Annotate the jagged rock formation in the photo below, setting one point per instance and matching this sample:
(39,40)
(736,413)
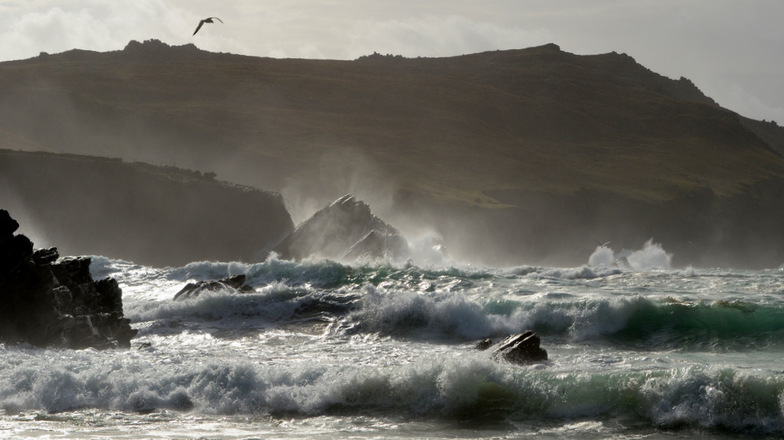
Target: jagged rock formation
(192,290)
(55,303)
(521,349)
(344,230)
(160,51)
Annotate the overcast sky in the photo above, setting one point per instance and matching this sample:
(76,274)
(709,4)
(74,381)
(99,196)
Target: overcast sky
(733,50)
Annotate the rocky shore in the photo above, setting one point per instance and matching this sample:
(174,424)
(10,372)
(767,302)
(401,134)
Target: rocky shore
(48,301)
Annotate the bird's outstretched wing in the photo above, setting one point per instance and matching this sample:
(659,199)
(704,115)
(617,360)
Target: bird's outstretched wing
(206,20)
(198,27)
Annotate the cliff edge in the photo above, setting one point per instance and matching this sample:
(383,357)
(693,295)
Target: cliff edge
(160,216)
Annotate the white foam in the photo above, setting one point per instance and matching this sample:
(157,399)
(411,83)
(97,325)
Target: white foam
(603,256)
(651,257)
(408,313)
(215,354)
(446,382)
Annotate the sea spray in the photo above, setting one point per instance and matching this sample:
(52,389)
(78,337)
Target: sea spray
(603,256)
(632,352)
(410,314)
(448,305)
(447,385)
(651,256)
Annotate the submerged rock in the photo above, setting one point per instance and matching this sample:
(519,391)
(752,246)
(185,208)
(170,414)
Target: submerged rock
(344,230)
(192,290)
(49,302)
(522,348)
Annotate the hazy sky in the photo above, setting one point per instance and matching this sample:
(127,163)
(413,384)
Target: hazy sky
(733,50)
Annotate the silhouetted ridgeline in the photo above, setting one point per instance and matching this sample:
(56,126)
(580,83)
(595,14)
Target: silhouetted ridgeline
(142,213)
(516,156)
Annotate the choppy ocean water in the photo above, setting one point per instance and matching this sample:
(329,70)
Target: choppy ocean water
(323,350)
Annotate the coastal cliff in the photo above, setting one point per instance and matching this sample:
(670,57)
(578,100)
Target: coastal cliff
(153,215)
(510,157)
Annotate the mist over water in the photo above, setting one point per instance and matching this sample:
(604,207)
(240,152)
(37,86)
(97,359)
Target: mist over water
(334,175)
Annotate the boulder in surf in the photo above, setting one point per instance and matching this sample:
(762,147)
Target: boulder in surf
(522,348)
(192,290)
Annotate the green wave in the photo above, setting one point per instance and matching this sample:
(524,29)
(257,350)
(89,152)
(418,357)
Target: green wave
(704,324)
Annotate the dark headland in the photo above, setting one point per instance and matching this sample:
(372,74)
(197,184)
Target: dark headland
(510,157)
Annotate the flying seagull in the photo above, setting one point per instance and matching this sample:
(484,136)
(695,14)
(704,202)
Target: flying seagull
(206,20)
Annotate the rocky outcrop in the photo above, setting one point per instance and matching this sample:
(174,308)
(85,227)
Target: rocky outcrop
(51,302)
(344,230)
(522,348)
(192,290)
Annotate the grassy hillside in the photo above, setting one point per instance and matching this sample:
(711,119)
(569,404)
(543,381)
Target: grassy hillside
(512,144)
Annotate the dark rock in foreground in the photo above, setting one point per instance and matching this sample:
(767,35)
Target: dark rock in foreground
(522,348)
(344,230)
(48,302)
(192,290)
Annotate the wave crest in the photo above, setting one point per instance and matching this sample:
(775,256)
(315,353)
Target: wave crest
(469,385)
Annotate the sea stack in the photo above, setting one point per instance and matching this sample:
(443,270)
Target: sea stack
(344,230)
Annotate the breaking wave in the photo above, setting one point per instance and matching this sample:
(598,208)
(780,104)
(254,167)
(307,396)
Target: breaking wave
(638,322)
(466,386)
(455,305)
(320,338)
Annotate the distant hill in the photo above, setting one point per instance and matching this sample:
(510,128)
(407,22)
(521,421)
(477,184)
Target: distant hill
(511,156)
(152,215)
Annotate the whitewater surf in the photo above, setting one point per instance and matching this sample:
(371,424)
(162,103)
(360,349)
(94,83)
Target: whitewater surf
(321,349)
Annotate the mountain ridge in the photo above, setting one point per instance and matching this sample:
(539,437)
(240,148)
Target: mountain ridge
(425,141)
